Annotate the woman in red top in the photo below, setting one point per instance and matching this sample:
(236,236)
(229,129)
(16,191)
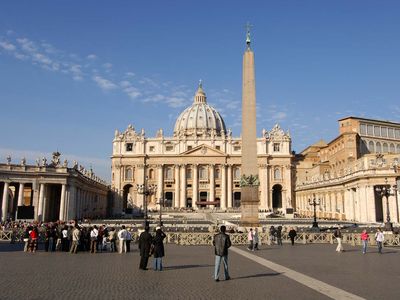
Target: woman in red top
(364,239)
(34,235)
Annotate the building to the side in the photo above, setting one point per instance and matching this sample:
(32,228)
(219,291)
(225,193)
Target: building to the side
(346,173)
(200,165)
(51,191)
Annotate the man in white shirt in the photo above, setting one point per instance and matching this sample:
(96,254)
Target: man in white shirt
(122,239)
(380,238)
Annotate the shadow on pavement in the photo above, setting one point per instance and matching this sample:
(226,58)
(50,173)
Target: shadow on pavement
(257,275)
(186,267)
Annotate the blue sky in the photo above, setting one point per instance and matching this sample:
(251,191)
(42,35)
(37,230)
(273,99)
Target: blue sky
(71,72)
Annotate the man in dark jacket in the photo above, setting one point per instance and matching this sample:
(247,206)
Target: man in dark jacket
(221,244)
(145,240)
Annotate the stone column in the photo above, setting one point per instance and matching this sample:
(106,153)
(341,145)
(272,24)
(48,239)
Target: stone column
(223,186)
(62,203)
(21,194)
(195,185)
(160,183)
(212,183)
(229,188)
(41,201)
(4,205)
(183,187)
(177,187)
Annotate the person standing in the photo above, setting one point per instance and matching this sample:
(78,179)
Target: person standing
(292,235)
(64,239)
(111,238)
(128,240)
(159,253)
(279,235)
(272,234)
(93,239)
(250,238)
(255,239)
(26,238)
(379,237)
(145,240)
(338,235)
(122,239)
(221,244)
(34,235)
(364,239)
(76,236)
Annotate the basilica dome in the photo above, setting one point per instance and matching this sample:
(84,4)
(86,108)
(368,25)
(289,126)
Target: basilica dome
(200,119)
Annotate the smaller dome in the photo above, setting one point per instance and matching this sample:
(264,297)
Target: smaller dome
(200,118)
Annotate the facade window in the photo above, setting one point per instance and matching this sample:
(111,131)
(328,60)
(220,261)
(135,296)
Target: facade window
(189,173)
(169,148)
(202,173)
(152,148)
(363,129)
(277,147)
(218,147)
(128,147)
(151,174)
(128,174)
(236,173)
(169,173)
(277,174)
(378,147)
(391,133)
(217,173)
(189,147)
(371,147)
(236,148)
(377,131)
(397,133)
(385,148)
(392,148)
(398,149)
(370,130)
(384,131)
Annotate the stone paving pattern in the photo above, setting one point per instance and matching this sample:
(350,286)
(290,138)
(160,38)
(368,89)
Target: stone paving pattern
(188,274)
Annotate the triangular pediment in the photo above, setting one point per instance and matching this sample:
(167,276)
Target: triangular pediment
(203,150)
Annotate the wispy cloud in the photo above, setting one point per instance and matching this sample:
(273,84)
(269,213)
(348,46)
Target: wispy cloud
(104,83)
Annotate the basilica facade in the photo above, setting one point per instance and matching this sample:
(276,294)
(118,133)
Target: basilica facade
(199,166)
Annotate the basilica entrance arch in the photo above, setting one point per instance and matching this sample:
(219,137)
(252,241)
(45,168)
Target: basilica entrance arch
(127,199)
(276,197)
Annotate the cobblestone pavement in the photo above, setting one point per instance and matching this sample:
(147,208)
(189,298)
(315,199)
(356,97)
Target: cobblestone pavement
(188,274)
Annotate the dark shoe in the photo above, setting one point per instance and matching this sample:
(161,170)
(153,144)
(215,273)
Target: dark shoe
(217,280)
(228,278)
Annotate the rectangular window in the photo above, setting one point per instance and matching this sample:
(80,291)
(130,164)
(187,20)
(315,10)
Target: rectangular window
(384,131)
(152,148)
(277,147)
(377,131)
(128,147)
(363,129)
(218,147)
(169,148)
(391,133)
(236,148)
(397,133)
(370,130)
(189,147)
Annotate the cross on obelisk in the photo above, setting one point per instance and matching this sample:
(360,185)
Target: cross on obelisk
(249,180)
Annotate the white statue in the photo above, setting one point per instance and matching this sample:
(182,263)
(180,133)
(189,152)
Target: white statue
(23,161)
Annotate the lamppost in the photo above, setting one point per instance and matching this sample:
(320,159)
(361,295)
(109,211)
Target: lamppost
(146,190)
(386,191)
(161,203)
(314,202)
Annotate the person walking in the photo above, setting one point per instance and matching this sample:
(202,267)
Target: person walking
(159,253)
(292,235)
(364,240)
(122,239)
(338,235)
(26,238)
(380,238)
(93,239)
(34,235)
(221,244)
(145,240)
(279,235)
(76,236)
(250,238)
(255,239)
(272,234)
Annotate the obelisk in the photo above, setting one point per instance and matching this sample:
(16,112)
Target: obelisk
(249,180)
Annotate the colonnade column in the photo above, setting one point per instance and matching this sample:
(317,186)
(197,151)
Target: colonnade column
(62,203)
(195,185)
(212,184)
(71,208)
(229,189)
(223,186)
(160,185)
(41,201)
(177,189)
(183,187)
(21,194)
(4,205)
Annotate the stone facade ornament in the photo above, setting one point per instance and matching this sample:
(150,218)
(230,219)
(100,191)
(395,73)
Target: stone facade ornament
(44,161)
(65,164)
(75,165)
(251,180)
(55,161)
(37,162)
(8,158)
(23,161)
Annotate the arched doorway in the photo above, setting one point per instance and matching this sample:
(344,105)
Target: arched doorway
(127,203)
(276,197)
(236,199)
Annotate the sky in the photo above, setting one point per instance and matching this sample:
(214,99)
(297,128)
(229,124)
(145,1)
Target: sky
(71,72)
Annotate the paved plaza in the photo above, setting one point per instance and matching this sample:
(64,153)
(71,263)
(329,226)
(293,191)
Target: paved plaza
(273,272)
